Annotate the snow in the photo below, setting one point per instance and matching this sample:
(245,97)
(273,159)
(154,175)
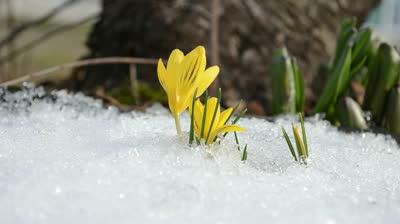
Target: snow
(68,159)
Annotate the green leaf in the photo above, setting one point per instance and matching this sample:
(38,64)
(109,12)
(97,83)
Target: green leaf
(230,115)
(299,143)
(289,143)
(204,118)
(240,115)
(244,155)
(357,68)
(283,84)
(303,131)
(337,82)
(361,43)
(373,77)
(299,86)
(191,132)
(347,29)
(233,111)
(392,113)
(381,82)
(344,76)
(237,118)
(237,141)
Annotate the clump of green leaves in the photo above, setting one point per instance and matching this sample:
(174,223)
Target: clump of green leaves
(369,64)
(350,56)
(383,76)
(300,137)
(287,84)
(391,119)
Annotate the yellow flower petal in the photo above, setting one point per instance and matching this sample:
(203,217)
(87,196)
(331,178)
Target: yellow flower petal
(212,103)
(198,114)
(223,118)
(206,79)
(174,60)
(192,65)
(162,75)
(224,129)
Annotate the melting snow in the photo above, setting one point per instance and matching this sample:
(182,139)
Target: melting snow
(67,159)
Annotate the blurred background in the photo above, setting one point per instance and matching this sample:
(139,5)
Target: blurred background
(240,35)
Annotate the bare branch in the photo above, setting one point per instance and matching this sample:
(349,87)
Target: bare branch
(88,62)
(25,26)
(34,43)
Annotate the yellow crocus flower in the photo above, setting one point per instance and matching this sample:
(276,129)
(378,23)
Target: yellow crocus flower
(214,120)
(184,75)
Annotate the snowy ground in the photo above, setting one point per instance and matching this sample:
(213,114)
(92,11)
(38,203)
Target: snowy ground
(66,159)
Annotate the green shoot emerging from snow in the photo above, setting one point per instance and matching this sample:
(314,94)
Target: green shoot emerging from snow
(301,152)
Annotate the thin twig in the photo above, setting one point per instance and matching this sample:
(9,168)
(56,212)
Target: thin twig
(88,62)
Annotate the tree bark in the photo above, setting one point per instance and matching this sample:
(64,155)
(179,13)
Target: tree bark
(249,31)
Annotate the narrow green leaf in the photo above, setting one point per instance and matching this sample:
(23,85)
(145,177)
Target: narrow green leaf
(204,118)
(237,141)
(303,131)
(233,111)
(230,115)
(347,29)
(237,118)
(299,142)
(362,41)
(299,86)
(387,74)
(191,132)
(392,113)
(357,67)
(344,77)
(289,143)
(337,83)
(244,155)
(283,84)
(373,75)
(240,115)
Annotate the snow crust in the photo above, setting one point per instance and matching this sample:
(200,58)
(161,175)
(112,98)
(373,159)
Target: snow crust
(67,159)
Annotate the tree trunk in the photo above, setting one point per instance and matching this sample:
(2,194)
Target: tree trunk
(249,30)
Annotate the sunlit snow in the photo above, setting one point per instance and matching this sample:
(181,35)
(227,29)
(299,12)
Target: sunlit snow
(67,159)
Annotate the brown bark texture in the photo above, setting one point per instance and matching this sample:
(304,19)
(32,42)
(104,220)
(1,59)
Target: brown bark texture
(249,31)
